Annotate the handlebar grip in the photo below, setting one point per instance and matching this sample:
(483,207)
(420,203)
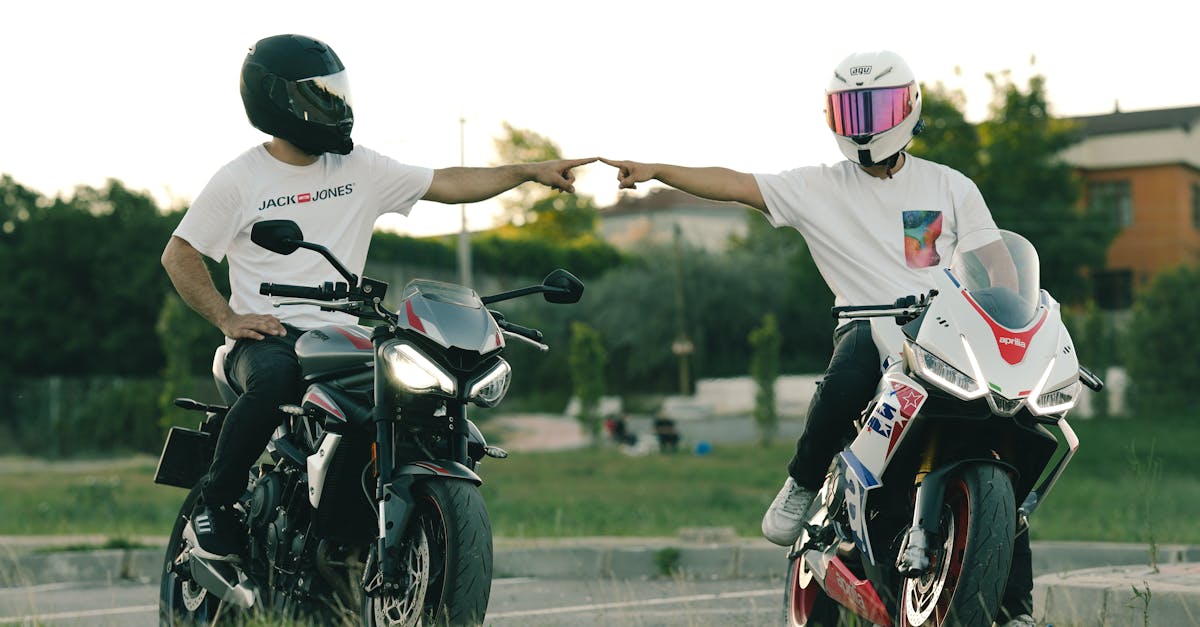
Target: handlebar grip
(293,291)
(532,334)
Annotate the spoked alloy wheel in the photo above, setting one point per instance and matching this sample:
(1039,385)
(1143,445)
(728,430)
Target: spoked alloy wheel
(407,607)
(446,561)
(970,556)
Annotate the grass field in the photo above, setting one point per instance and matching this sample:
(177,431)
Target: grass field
(1132,481)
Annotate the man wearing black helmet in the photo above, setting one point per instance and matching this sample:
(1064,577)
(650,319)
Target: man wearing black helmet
(295,89)
(875,224)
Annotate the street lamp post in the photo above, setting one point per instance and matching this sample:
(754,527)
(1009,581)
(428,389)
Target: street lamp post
(464,243)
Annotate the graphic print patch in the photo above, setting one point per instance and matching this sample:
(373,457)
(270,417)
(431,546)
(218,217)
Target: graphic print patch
(921,230)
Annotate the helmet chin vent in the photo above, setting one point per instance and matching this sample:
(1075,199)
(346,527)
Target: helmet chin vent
(864,158)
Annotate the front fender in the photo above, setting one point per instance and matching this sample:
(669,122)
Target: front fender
(398,503)
(445,468)
(931,492)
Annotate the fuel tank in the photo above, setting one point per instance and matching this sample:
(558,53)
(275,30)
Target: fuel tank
(334,351)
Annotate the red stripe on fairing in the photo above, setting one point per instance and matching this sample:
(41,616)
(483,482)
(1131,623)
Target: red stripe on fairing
(435,468)
(319,400)
(359,342)
(1012,351)
(413,320)
(843,586)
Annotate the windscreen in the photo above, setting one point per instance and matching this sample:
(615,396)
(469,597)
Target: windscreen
(999,269)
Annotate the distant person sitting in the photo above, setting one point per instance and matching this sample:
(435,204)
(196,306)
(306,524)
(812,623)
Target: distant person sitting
(668,435)
(620,432)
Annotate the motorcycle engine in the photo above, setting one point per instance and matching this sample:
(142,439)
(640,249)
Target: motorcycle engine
(268,493)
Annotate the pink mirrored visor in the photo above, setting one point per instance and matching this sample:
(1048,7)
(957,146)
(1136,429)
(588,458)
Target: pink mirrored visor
(868,111)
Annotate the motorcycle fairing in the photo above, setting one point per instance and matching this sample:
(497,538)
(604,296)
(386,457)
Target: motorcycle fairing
(899,401)
(337,406)
(451,315)
(1044,339)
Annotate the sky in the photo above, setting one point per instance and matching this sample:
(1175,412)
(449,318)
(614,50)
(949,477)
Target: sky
(147,92)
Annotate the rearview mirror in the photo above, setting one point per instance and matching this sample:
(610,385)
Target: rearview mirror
(277,236)
(562,287)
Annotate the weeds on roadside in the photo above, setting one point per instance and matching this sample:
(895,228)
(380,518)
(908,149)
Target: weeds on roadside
(1148,473)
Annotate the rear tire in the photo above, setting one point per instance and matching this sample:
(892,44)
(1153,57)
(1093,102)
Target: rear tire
(448,550)
(807,606)
(971,555)
(182,601)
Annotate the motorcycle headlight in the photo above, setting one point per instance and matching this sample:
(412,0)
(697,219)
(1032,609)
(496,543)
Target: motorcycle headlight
(414,372)
(933,369)
(1056,401)
(490,389)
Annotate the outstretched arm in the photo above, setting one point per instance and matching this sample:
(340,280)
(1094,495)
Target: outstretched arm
(711,183)
(463,185)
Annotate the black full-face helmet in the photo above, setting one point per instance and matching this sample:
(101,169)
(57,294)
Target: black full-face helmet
(295,88)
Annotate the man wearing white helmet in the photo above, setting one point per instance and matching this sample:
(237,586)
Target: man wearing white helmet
(875,224)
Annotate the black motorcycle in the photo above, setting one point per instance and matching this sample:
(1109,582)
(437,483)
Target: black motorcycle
(367,505)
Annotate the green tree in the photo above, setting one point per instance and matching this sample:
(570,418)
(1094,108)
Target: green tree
(1014,158)
(587,360)
(548,213)
(1032,191)
(764,369)
(1162,369)
(1096,340)
(947,138)
(83,281)
(188,341)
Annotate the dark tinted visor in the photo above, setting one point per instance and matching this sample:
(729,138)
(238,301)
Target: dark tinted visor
(868,111)
(321,99)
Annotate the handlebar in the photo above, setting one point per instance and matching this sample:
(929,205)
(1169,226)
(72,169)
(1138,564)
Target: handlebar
(905,309)
(294,291)
(526,332)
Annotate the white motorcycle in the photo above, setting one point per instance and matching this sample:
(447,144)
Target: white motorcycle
(965,437)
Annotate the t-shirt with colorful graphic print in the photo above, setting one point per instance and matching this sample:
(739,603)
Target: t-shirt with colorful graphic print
(875,240)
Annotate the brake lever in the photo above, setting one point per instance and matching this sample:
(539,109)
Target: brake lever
(343,306)
(535,343)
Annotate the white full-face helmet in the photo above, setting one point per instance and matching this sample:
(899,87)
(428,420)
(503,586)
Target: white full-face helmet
(873,106)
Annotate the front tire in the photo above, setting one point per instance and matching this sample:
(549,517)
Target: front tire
(446,556)
(971,555)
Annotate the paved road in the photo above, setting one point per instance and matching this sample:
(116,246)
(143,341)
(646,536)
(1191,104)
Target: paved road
(515,601)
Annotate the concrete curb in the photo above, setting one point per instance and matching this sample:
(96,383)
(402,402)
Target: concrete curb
(1077,583)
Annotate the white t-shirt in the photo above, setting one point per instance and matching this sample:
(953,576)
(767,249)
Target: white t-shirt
(335,201)
(875,240)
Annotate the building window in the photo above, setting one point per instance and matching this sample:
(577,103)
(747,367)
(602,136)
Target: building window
(1113,199)
(1114,289)
(1196,206)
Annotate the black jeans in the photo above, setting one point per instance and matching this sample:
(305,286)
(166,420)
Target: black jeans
(267,374)
(848,385)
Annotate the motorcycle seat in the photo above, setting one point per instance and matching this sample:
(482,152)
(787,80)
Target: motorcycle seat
(224,388)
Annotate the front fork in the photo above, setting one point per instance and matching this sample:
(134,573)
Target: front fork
(914,559)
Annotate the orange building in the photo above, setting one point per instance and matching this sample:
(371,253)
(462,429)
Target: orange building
(1142,168)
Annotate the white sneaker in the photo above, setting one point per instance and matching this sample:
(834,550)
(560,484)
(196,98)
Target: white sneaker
(1021,620)
(785,519)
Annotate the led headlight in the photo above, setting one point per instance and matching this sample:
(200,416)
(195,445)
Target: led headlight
(490,389)
(933,369)
(1056,401)
(415,372)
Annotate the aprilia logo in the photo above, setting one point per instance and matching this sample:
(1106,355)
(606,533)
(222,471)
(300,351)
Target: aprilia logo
(1011,340)
(321,194)
(860,70)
